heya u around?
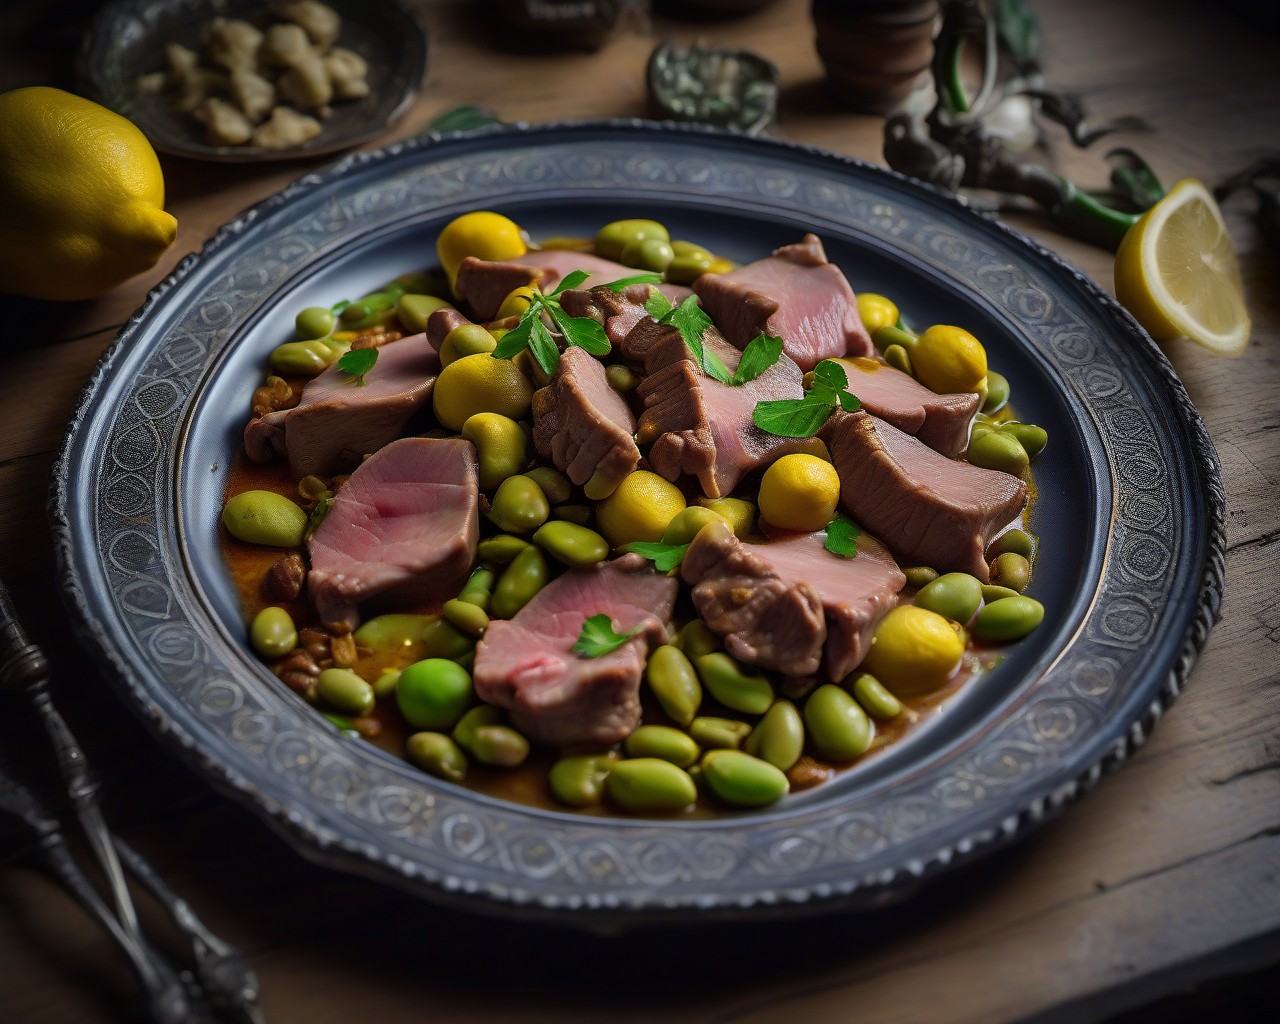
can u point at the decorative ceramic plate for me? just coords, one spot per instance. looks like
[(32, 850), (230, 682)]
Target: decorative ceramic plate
[(1129, 512), (127, 39)]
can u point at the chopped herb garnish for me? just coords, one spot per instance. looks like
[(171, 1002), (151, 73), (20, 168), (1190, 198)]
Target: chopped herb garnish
[(570, 280), (338, 307), (532, 333), (664, 557), (316, 517), (358, 362), (762, 352), (804, 417), (598, 637), (657, 305), (625, 282), (842, 537)]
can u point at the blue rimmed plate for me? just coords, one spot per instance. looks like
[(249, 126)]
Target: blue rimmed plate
[(1129, 511)]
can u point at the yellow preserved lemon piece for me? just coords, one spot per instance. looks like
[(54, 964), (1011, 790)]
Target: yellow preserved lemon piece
[(484, 235), (83, 197), (914, 650), (640, 508), (799, 492), (480, 383), (876, 311), (1176, 272), (949, 360)]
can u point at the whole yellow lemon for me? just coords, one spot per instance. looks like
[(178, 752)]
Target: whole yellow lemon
[(83, 197)]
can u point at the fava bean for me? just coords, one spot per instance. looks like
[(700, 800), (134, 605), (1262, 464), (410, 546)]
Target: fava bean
[(687, 524), (732, 686), (502, 549), (571, 544), (370, 311), (920, 576), (303, 358), (999, 451), (714, 733), (523, 578), (648, 254), (1015, 540), (1009, 618), (272, 633), (739, 513), (342, 689), (555, 485), (885, 337), (437, 754), (1011, 570), (778, 737), (741, 780), (464, 733), (878, 702), (650, 785), (411, 636), (674, 682), (466, 618), (838, 727), (993, 592), (501, 446), (498, 745), (519, 506), (434, 693), (663, 742), (579, 515), (578, 781), (615, 236), (385, 685), (465, 340), (687, 269), (898, 357), (997, 392), (696, 639), (621, 378), (957, 595), (264, 517), (478, 590), (314, 322), (413, 311), (1032, 438)]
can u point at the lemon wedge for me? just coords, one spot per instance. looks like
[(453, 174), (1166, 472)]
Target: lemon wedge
[(1176, 272)]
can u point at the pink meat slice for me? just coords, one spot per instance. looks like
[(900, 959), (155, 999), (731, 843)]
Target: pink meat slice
[(794, 294), (337, 421), (940, 421), (929, 510), (791, 605), (555, 696), (401, 531), (618, 312)]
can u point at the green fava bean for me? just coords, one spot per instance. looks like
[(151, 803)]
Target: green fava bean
[(838, 726), (649, 785), (342, 689), (502, 447), (502, 549), (303, 358), (434, 694), (614, 237), (999, 451), (465, 340), (885, 337), (688, 523), (369, 311), (478, 589), (957, 595), (272, 633), (696, 639), (621, 378), (992, 592), (555, 485), (437, 754), (264, 517), (898, 357), (519, 506), (517, 586), (413, 311), (733, 687), (499, 745), (741, 780), (464, 733), (578, 781), (1032, 438), (674, 682), (467, 618), (878, 702), (385, 685), (997, 392), (1015, 540), (580, 515), (314, 322), (663, 742), (920, 576), (1010, 618), (648, 254), (1012, 571), (714, 733), (778, 737), (571, 544)]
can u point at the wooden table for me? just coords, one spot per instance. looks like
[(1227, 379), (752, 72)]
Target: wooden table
[(1162, 887)]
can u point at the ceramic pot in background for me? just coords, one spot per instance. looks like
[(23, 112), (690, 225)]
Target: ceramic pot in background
[(874, 50)]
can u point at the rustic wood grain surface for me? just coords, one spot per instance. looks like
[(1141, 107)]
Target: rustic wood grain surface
[(1161, 889)]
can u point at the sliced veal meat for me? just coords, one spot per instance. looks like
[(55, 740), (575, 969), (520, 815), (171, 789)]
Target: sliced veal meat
[(618, 312), (930, 510), (790, 604), (583, 426), (441, 322), (527, 664), (696, 424), (795, 295), (337, 421), (940, 421), (401, 531)]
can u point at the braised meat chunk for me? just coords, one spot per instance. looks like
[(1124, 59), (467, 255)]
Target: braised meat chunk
[(940, 421)]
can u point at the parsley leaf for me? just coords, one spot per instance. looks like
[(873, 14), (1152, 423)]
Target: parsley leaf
[(570, 281), (692, 322), (358, 362), (623, 282), (842, 537), (657, 305), (531, 331), (804, 417), (542, 345), (664, 557), (338, 307), (580, 330), (316, 517), (598, 638), (760, 354), (515, 340)]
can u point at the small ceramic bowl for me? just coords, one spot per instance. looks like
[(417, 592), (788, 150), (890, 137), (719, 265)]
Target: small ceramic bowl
[(712, 85)]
